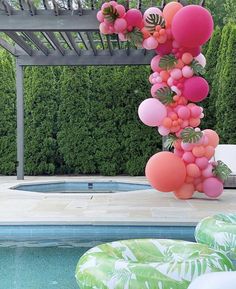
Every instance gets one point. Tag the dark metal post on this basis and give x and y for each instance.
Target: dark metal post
(20, 120)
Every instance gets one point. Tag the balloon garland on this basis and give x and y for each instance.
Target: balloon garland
(176, 34)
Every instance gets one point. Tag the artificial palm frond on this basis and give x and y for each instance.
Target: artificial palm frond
(167, 62)
(154, 20)
(221, 171)
(189, 135)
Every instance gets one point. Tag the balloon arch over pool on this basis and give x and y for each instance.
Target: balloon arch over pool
(176, 34)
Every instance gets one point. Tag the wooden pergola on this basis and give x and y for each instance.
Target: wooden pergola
(59, 36)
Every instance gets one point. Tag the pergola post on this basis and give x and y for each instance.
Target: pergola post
(20, 120)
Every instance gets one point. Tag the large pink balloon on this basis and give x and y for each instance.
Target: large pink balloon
(152, 112)
(192, 26)
(213, 187)
(195, 89)
(133, 17)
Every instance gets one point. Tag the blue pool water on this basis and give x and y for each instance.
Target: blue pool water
(82, 187)
(45, 257)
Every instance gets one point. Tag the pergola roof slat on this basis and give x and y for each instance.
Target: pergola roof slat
(19, 41)
(8, 8)
(91, 43)
(37, 42)
(71, 41)
(4, 44)
(55, 42)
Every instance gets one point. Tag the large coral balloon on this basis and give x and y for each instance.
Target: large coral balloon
(195, 89)
(170, 10)
(192, 26)
(165, 171)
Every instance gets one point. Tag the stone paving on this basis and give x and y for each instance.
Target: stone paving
(147, 207)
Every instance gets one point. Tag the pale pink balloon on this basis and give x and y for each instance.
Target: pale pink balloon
(150, 43)
(155, 87)
(187, 71)
(213, 187)
(155, 63)
(195, 111)
(188, 157)
(176, 73)
(113, 3)
(104, 28)
(100, 16)
(120, 25)
(202, 162)
(133, 17)
(184, 112)
(187, 146)
(151, 10)
(152, 112)
(201, 59)
(163, 130)
(170, 81)
(121, 10)
(122, 37)
(207, 172)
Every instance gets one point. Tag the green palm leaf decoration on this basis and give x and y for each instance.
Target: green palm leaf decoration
(222, 171)
(154, 20)
(110, 14)
(189, 135)
(167, 61)
(135, 37)
(198, 69)
(165, 95)
(169, 141)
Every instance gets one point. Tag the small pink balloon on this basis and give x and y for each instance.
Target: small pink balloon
(155, 87)
(170, 81)
(195, 89)
(176, 73)
(192, 26)
(152, 112)
(104, 28)
(121, 10)
(150, 43)
(187, 71)
(133, 17)
(187, 146)
(113, 3)
(164, 48)
(207, 172)
(184, 112)
(155, 63)
(120, 25)
(213, 187)
(195, 111)
(163, 130)
(188, 157)
(201, 59)
(202, 162)
(151, 10)
(100, 16)
(122, 37)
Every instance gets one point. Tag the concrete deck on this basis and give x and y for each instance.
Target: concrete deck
(147, 207)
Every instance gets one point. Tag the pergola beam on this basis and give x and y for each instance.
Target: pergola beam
(86, 58)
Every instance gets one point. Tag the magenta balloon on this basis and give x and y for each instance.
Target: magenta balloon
(195, 89)
(155, 87)
(195, 51)
(134, 17)
(152, 112)
(165, 48)
(213, 187)
(192, 26)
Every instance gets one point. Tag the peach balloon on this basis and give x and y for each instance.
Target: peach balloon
(209, 151)
(170, 10)
(185, 192)
(187, 58)
(213, 138)
(198, 151)
(193, 171)
(165, 171)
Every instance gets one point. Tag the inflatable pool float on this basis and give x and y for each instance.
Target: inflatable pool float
(218, 280)
(147, 263)
(219, 233)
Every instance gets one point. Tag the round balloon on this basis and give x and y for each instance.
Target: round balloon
(213, 187)
(192, 26)
(133, 17)
(170, 10)
(152, 112)
(213, 138)
(185, 192)
(165, 171)
(195, 89)
(151, 10)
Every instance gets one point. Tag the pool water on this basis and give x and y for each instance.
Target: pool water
(39, 267)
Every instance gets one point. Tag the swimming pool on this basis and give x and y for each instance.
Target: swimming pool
(44, 257)
(82, 187)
